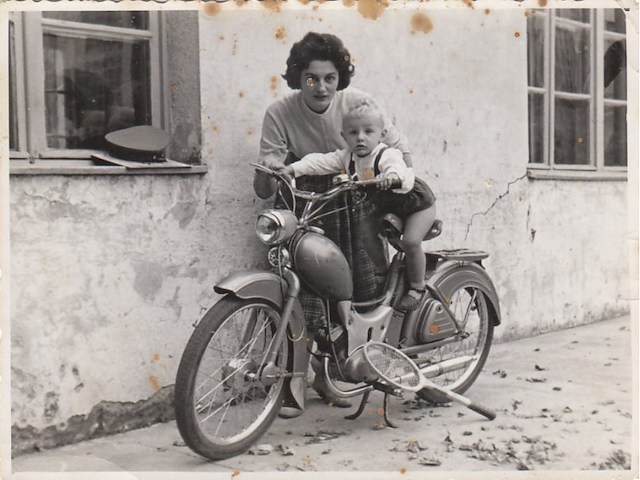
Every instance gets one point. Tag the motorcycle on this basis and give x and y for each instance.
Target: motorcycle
(251, 350)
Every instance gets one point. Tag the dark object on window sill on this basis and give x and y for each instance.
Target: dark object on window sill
(142, 143)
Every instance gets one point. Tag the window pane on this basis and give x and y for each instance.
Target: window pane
(614, 20)
(571, 133)
(615, 136)
(572, 61)
(93, 87)
(536, 128)
(137, 20)
(535, 49)
(615, 64)
(13, 108)
(577, 14)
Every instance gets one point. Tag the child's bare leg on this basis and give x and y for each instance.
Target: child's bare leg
(416, 227)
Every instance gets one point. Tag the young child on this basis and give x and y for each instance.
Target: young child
(368, 157)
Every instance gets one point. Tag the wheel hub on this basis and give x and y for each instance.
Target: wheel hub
(240, 375)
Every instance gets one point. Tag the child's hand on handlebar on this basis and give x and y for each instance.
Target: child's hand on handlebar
(272, 164)
(285, 170)
(389, 180)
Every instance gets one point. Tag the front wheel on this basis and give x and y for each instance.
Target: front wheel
(222, 406)
(469, 353)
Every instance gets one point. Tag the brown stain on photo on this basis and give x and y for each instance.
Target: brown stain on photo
(274, 83)
(372, 9)
(273, 5)
(469, 3)
(154, 382)
(542, 3)
(348, 3)
(241, 94)
(420, 22)
(280, 33)
(156, 357)
(517, 34)
(212, 8)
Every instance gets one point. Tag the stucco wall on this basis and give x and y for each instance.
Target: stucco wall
(110, 273)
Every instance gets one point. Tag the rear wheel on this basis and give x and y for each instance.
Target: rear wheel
(222, 406)
(466, 356)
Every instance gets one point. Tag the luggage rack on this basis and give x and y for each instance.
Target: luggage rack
(459, 254)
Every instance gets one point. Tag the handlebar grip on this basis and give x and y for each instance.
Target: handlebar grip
(484, 411)
(396, 183)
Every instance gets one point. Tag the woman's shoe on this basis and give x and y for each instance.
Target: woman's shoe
(412, 299)
(320, 386)
(289, 412)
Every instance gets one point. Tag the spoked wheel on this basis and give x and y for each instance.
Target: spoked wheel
(463, 358)
(223, 403)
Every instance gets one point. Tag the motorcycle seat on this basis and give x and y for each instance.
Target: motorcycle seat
(393, 226)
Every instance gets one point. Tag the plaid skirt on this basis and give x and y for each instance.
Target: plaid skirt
(344, 228)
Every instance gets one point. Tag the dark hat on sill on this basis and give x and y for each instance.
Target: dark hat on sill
(142, 143)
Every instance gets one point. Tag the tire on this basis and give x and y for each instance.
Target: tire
(220, 413)
(466, 300)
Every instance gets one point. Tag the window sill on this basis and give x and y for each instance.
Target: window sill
(539, 174)
(92, 167)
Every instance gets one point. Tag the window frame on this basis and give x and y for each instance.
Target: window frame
(31, 142)
(596, 168)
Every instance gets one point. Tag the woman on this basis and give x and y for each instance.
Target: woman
(309, 121)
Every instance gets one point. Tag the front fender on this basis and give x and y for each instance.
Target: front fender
(475, 274)
(253, 284)
(268, 286)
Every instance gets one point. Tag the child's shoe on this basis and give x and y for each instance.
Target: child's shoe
(412, 299)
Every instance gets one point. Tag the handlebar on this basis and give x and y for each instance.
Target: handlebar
(344, 184)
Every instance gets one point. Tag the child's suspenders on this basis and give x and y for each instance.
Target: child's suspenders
(376, 164)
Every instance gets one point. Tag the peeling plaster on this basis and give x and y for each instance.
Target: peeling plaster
(105, 418)
(148, 280)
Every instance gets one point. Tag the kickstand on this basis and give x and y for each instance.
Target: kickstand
(363, 402)
(385, 409)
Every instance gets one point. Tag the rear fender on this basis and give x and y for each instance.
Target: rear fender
(476, 275)
(268, 286)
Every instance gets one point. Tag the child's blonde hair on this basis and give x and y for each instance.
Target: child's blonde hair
(365, 106)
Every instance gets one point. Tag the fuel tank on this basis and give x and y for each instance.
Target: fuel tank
(322, 266)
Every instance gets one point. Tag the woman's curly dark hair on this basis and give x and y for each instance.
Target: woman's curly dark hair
(318, 46)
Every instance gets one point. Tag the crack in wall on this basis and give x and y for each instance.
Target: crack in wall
(500, 197)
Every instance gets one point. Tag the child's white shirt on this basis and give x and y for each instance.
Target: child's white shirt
(338, 161)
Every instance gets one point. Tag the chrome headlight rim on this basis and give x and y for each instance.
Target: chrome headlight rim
(275, 226)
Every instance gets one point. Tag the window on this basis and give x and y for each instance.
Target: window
(577, 91)
(78, 75)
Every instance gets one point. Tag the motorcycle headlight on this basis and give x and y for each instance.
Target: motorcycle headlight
(275, 226)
